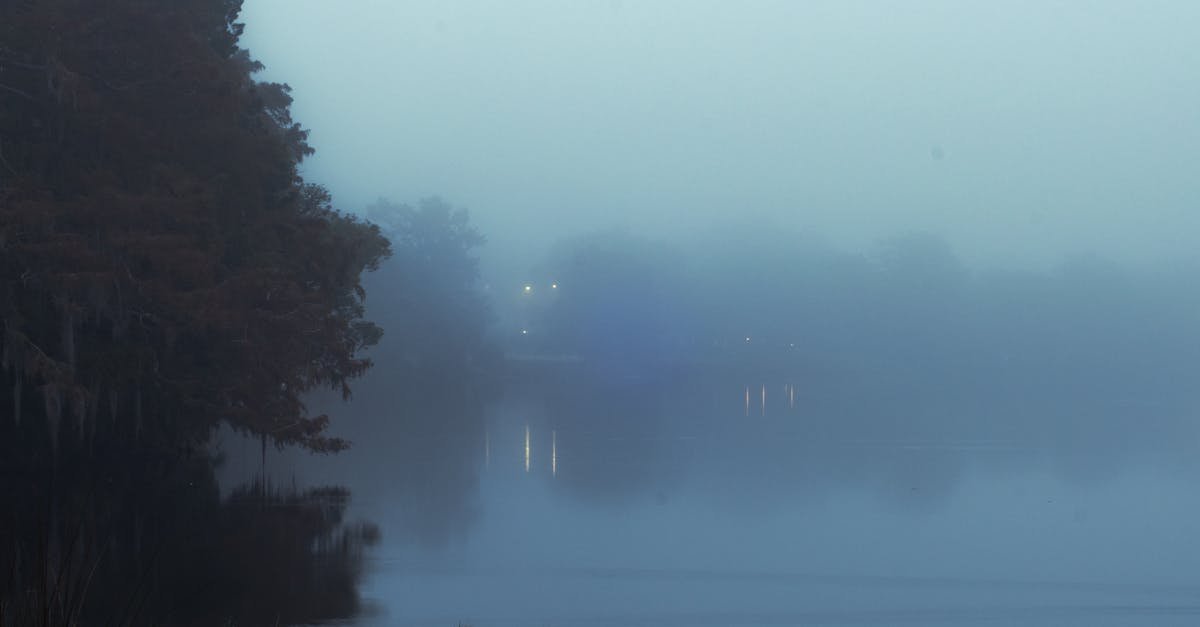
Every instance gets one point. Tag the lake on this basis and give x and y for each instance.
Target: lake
(705, 499)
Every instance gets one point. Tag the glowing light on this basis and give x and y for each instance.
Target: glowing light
(554, 286)
(747, 339)
(764, 399)
(524, 331)
(747, 400)
(554, 453)
(526, 448)
(792, 395)
(528, 288)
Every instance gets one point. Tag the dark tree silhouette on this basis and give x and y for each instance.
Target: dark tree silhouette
(161, 261)
(163, 269)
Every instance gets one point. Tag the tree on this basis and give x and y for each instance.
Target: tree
(618, 303)
(161, 259)
(429, 290)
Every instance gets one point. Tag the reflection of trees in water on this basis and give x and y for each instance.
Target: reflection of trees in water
(111, 533)
(609, 442)
(908, 450)
(422, 439)
(281, 556)
(619, 443)
(437, 458)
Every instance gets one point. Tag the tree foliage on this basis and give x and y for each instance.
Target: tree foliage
(162, 263)
(429, 290)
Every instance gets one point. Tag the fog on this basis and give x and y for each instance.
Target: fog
(1020, 131)
(788, 312)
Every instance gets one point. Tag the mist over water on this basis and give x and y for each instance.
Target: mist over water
(691, 312)
(925, 451)
(811, 313)
(570, 502)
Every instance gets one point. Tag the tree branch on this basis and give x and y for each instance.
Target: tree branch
(23, 66)
(18, 92)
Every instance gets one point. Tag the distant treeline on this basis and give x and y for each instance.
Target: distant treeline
(909, 311)
(428, 294)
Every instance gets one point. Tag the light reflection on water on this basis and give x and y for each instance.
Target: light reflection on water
(526, 448)
(720, 438)
(672, 507)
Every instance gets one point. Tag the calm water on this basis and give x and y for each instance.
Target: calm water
(777, 502)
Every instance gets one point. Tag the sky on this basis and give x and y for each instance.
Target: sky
(1020, 131)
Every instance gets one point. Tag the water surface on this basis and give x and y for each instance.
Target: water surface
(705, 499)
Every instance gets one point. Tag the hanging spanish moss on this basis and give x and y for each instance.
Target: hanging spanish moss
(16, 394)
(52, 400)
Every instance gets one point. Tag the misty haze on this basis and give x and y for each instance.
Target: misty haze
(606, 313)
